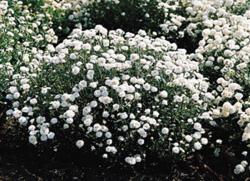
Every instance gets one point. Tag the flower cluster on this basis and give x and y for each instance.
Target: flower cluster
(116, 90)
(192, 16)
(23, 34)
(122, 89)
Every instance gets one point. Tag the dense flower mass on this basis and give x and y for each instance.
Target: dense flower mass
(138, 91)
(123, 89)
(23, 35)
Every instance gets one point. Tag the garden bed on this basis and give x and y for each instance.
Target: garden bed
(25, 162)
(125, 90)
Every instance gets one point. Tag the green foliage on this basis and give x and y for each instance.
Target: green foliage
(129, 15)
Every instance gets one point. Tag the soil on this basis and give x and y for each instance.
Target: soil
(26, 163)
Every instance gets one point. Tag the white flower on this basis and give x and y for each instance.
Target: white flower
(55, 104)
(146, 86)
(22, 120)
(97, 127)
(54, 120)
(105, 99)
(79, 143)
(219, 141)
(16, 95)
(134, 124)
(108, 135)
(33, 140)
(197, 145)
(26, 87)
(105, 155)
(244, 153)
(65, 126)
(197, 126)
(246, 134)
(13, 89)
(138, 158)
(75, 70)
(44, 130)
(239, 169)
(69, 114)
(176, 150)
(44, 90)
(204, 141)
(99, 134)
(188, 138)
(197, 135)
(134, 57)
(26, 58)
(86, 110)
(74, 108)
(156, 114)
(33, 101)
(130, 160)
(32, 128)
(142, 132)
(164, 94)
(82, 84)
(244, 163)
(90, 74)
(227, 107)
(165, 131)
(87, 121)
(116, 107)
(146, 126)
(17, 113)
(72, 56)
(105, 114)
(51, 135)
(69, 120)
(140, 141)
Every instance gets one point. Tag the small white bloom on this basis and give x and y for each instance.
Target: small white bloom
(75, 70)
(176, 150)
(188, 138)
(33, 140)
(51, 135)
(33, 101)
(69, 114)
(140, 141)
(79, 143)
(54, 120)
(164, 94)
(197, 145)
(239, 169)
(130, 160)
(204, 141)
(165, 131)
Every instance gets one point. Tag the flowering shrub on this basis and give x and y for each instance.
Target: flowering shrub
(125, 93)
(223, 53)
(22, 34)
(21, 30)
(119, 90)
(178, 20)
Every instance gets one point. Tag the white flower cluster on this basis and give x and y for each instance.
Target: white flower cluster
(240, 168)
(223, 53)
(126, 94)
(67, 4)
(116, 89)
(192, 16)
(22, 38)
